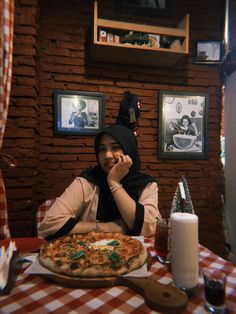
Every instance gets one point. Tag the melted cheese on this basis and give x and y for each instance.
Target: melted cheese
(102, 245)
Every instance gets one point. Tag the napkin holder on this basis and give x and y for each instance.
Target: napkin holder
(15, 265)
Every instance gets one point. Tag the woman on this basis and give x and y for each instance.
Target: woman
(79, 117)
(187, 126)
(114, 193)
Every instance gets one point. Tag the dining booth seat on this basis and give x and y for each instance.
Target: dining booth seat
(41, 212)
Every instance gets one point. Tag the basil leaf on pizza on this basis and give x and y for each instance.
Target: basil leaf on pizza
(113, 243)
(77, 255)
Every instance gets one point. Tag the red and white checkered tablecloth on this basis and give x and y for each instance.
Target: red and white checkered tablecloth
(33, 294)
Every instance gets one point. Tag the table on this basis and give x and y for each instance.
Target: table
(33, 294)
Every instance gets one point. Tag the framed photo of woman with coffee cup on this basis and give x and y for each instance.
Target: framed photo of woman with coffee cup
(183, 125)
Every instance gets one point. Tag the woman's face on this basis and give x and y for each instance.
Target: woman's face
(185, 123)
(108, 152)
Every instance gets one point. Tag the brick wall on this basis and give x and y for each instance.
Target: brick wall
(51, 51)
(22, 133)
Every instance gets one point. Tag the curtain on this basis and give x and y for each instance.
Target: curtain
(6, 49)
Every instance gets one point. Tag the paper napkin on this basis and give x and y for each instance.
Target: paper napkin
(5, 258)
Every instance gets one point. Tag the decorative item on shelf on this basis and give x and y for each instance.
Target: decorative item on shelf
(106, 37)
(116, 39)
(134, 38)
(165, 42)
(129, 112)
(176, 45)
(102, 35)
(154, 40)
(110, 38)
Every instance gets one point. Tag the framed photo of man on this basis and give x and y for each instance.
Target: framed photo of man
(147, 7)
(208, 52)
(183, 125)
(78, 112)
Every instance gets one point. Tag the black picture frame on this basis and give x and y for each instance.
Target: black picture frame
(208, 52)
(182, 141)
(78, 112)
(159, 8)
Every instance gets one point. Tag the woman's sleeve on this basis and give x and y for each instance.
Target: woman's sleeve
(149, 201)
(66, 211)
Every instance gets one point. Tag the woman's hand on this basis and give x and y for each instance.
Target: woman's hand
(125, 204)
(112, 226)
(120, 169)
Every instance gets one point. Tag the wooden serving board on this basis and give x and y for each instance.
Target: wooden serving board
(159, 297)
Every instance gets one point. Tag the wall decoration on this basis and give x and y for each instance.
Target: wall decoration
(78, 112)
(208, 51)
(183, 125)
(147, 7)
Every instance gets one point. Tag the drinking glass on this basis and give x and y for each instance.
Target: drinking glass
(214, 286)
(161, 238)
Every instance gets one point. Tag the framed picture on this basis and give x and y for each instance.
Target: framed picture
(183, 125)
(147, 7)
(208, 51)
(78, 112)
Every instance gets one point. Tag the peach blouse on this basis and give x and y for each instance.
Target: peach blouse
(80, 200)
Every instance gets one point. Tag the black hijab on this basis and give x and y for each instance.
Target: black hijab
(134, 182)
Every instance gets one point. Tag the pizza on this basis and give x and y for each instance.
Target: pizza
(95, 254)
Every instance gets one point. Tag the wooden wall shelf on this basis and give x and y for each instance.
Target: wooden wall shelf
(138, 54)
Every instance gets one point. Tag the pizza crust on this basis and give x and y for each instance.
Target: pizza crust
(95, 262)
